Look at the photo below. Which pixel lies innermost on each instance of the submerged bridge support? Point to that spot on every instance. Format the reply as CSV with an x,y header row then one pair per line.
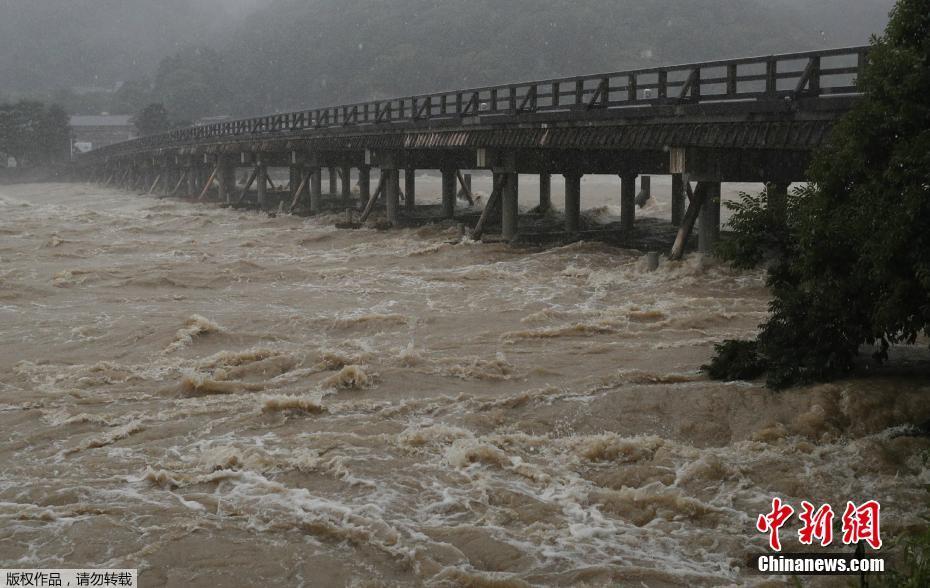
x,y
741,120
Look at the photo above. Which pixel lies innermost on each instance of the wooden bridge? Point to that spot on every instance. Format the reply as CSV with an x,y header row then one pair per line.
x,y
741,120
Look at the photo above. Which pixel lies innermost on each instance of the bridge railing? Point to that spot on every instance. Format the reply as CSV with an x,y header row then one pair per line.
x,y
807,74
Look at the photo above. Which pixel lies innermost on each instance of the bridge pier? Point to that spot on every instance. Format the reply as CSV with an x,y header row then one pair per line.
x,y
169,179
410,189
261,187
364,185
464,188
293,178
545,193
627,202
346,173
645,191
449,180
709,228
222,179
391,196
572,202
333,176
191,178
510,209
678,199
145,178
316,189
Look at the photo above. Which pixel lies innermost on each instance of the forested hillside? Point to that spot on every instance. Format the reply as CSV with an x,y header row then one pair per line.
x,y
208,57
299,52
48,45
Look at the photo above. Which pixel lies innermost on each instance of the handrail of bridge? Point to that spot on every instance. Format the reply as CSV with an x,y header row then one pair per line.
x,y
805,74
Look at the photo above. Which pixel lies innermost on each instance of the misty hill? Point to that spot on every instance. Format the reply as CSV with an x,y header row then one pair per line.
x,y
839,22
267,55
299,53
46,45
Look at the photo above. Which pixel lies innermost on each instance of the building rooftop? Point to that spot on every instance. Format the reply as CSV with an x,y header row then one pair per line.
x,y
103,120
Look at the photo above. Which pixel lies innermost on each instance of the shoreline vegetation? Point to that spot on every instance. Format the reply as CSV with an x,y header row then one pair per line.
x,y
848,262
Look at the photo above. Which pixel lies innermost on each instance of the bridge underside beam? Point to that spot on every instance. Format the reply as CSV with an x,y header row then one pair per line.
x,y
739,165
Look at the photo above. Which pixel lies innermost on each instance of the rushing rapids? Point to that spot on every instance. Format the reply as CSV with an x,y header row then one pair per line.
x,y
218,397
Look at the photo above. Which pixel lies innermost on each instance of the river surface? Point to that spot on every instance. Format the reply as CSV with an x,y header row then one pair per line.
x,y
220,398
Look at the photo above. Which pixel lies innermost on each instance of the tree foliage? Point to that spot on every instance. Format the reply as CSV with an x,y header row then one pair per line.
x,y
193,83
34,133
853,261
151,120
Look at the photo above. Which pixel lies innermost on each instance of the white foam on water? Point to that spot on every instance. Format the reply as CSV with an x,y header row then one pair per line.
x,y
406,406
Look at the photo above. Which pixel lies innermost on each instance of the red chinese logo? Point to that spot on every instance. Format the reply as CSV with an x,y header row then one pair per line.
x,y
770,523
862,524
817,525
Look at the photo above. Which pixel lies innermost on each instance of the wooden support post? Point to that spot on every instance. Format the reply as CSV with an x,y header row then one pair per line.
x,y
545,193
627,202
465,183
777,197
167,183
410,189
208,183
302,178
645,191
155,183
316,190
370,205
224,180
262,186
687,222
709,229
333,189
448,192
268,177
346,186
181,177
192,181
510,209
391,196
248,184
678,199
364,185
500,180
572,202
293,178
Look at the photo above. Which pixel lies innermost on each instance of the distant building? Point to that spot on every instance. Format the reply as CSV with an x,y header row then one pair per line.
x,y
101,130
209,120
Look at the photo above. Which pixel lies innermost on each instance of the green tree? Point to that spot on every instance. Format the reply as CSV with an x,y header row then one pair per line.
x,y
34,133
854,260
151,120
54,134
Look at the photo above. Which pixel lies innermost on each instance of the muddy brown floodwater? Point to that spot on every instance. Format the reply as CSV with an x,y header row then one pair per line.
x,y
219,398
